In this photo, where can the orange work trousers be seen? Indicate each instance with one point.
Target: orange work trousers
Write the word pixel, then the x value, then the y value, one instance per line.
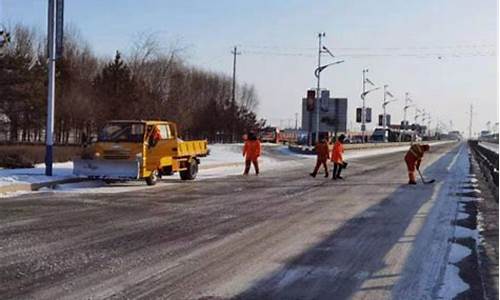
pixel 320 162
pixel 411 163
pixel 255 163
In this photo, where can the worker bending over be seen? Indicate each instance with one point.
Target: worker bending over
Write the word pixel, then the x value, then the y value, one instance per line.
pixel 338 157
pixel 251 152
pixel 321 157
pixel 413 159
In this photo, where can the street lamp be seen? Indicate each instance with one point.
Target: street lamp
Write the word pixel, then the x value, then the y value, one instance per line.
pixel 317 73
pixel 384 104
pixel 405 108
pixel 318 70
pixel 418 113
pixel 363 97
pixel 429 120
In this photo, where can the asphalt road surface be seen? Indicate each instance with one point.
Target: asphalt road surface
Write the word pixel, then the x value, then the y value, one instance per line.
pixel 281 235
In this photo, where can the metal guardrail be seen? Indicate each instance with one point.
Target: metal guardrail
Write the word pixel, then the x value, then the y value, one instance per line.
pixel 488 162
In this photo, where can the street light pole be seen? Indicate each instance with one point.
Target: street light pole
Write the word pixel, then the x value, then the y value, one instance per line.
pixel 429 121
pixel 384 104
pixel 49 131
pixel 320 35
pixel 405 108
pixel 363 109
pixel 384 125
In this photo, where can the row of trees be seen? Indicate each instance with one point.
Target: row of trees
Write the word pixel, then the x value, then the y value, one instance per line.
pixel 149 83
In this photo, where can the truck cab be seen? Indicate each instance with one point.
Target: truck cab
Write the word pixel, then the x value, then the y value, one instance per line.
pixel 140 149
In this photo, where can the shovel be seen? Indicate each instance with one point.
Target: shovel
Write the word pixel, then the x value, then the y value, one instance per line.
pixel 423 179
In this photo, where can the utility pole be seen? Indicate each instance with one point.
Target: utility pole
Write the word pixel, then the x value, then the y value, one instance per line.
pixel 49 131
pixel 470 122
pixel 233 94
pixel 320 35
pixel 296 121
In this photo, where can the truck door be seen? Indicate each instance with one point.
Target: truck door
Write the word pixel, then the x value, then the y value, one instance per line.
pixel 158 152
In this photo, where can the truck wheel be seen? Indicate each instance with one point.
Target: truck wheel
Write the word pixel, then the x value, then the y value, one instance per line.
pixel 153 178
pixel 192 170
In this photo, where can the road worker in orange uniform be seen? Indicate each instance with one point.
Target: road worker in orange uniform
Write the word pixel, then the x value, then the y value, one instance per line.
pixel 413 158
pixel 155 136
pixel 322 152
pixel 338 157
pixel 251 152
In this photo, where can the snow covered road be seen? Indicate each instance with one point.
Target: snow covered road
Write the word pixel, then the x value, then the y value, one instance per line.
pixel 281 235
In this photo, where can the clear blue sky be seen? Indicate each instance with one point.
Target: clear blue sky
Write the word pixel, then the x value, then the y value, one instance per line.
pixel 399 41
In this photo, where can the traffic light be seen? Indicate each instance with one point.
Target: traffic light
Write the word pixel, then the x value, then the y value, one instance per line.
pixel 358 114
pixel 387 120
pixel 368 117
pixel 311 98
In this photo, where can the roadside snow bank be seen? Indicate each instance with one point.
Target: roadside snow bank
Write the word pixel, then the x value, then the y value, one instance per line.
pixel 35 175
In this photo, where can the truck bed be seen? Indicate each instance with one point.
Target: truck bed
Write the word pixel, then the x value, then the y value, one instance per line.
pixel 192 148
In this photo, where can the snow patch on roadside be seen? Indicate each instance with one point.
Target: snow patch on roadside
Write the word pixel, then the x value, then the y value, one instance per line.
pixel 453 284
pixel 458 252
pixel 36 174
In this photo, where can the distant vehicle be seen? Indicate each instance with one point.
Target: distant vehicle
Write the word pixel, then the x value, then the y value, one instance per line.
pixel 455 135
pixel 128 150
pixel 489 137
pixel 292 136
pixel 270 135
pixel 380 135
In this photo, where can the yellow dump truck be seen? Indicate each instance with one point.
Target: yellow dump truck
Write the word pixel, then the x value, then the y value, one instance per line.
pixel 140 150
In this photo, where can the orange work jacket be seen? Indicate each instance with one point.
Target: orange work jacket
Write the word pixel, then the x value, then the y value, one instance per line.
pixel 322 151
pixel 337 152
pixel 251 150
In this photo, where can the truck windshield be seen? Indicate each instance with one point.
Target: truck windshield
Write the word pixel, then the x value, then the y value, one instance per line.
pixel 122 132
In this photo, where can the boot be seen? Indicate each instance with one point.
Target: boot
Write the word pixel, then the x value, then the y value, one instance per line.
pixel 312 175
pixel 411 178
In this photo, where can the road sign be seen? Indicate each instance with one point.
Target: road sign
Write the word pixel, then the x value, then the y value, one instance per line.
pixel 59 27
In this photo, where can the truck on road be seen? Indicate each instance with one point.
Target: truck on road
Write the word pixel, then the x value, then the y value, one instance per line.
pixel 138 149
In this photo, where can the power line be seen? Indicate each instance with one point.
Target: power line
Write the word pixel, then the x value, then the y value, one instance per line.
pixel 438 55
pixel 458 46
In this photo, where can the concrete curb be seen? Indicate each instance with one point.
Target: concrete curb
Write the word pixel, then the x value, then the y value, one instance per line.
pixel 29 187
